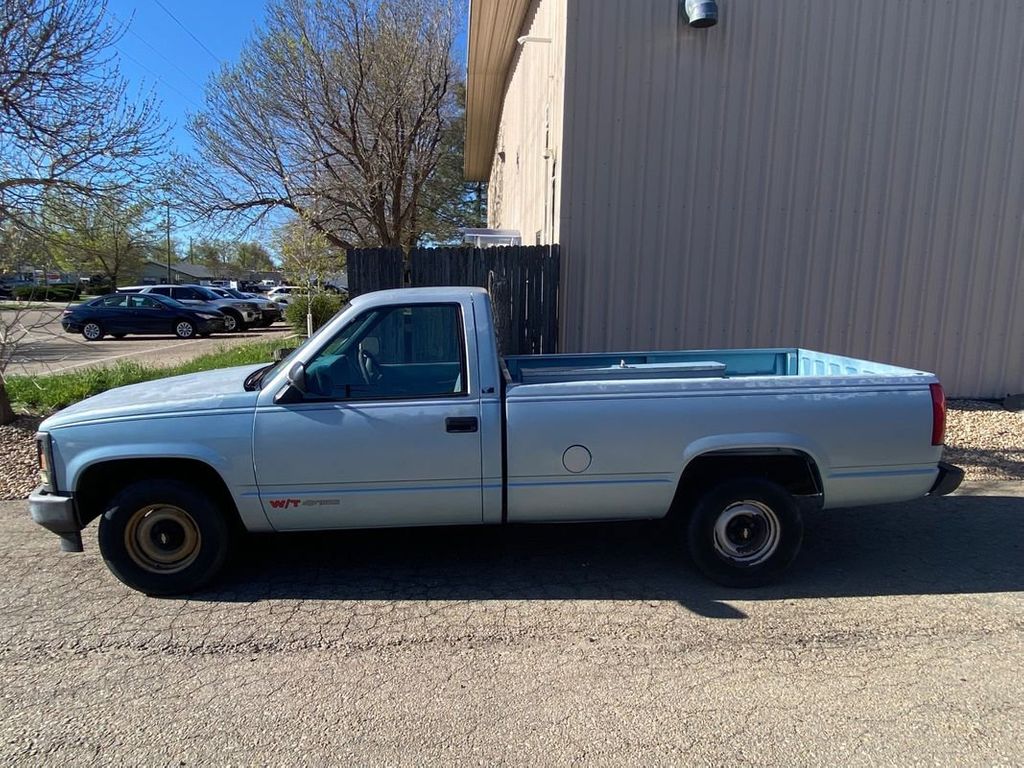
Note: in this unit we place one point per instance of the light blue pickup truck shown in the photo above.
(400, 412)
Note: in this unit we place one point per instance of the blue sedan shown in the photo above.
(119, 314)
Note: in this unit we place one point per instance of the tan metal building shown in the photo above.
(845, 175)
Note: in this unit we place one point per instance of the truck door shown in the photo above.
(387, 432)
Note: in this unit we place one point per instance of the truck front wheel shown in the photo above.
(745, 532)
(163, 537)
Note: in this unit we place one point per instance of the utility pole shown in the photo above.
(168, 222)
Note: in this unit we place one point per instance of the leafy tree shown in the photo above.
(338, 110)
(107, 236)
(210, 254)
(253, 257)
(306, 255)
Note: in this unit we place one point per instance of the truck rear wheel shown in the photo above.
(163, 537)
(745, 532)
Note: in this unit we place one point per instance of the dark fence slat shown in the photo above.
(523, 281)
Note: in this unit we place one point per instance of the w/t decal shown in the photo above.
(286, 503)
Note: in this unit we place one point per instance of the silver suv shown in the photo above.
(239, 314)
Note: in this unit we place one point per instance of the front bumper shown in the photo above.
(57, 514)
(215, 325)
(949, 479)
(251, 316)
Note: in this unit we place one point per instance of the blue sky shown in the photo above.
(159, 54)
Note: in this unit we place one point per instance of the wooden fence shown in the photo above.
(523, 281)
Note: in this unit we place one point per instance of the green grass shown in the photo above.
(46, 393)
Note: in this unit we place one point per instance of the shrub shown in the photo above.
(63, 292)
(325, 306)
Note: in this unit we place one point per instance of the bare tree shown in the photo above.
(336, 111)
(67, 122)
(68, 127)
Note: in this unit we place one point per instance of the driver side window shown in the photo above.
(393, 352)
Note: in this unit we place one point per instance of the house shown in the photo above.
(845, 175)
(153, 272)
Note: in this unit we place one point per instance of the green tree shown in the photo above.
(108, 236)
(306, 255)
(253, 257)
(211, 254)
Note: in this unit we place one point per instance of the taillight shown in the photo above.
(938, 413)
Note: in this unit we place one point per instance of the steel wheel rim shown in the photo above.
(185, 329)
(747, 533)
(91, 331)
(162, 539)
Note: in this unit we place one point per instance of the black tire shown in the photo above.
(92, 331)
(184, 329)
(745, 532)
(233, 322)
(138, 548)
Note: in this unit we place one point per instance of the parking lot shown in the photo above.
(49, 349)
(897, 639)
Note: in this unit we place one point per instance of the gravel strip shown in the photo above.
(986, 441)
(982, 438)
(18, 471)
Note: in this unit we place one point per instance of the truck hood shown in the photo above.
(210, 390)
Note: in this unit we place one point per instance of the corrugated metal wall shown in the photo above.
(846, 175)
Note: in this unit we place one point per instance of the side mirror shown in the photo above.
(281, 353)
(297, 377)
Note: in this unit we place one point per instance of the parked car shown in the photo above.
(120, 314)
(285, 294)
(400, 412)
(270, 311)
(238, 315)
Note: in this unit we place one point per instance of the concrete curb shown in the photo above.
(990, 488)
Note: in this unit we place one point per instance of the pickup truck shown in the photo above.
(400, 412)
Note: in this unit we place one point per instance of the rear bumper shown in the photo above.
(949, 479)
(58, 515)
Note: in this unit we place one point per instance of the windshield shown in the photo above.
(206, 293)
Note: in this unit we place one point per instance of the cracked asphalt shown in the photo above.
(897, 638)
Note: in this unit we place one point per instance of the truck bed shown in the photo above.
(696, 364)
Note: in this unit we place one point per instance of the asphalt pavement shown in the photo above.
(47, 348)
(898, 638)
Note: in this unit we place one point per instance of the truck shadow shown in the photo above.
(932, 546)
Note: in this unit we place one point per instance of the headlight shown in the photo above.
(44, 450)
(207, 316)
